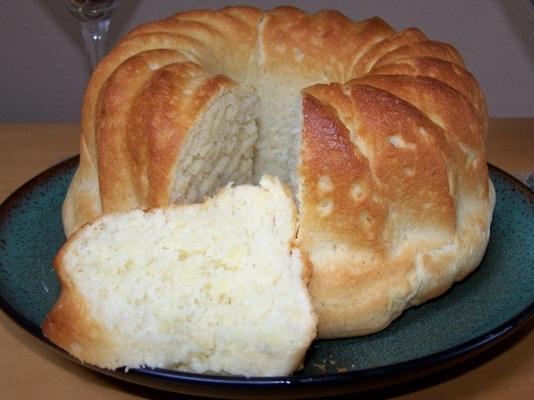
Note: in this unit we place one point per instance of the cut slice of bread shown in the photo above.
(217, 287)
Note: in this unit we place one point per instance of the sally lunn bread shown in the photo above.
(217, 287)
(380, 134)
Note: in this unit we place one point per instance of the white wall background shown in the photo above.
(43, 69)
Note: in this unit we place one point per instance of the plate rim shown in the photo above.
(414, 366)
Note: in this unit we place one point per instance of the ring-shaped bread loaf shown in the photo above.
(380, 133)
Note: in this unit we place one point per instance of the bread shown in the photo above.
(380, 134)
(215, 287)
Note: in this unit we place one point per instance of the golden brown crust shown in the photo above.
(427, 48)
(71, 325)
(449, 73)
(143, 125)
(385, 46)
(388, 163)
(121, 172)
(323, 46)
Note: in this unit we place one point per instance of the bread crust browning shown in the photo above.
(70, 323)
(377, 245)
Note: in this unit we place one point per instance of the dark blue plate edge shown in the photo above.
(348, 381)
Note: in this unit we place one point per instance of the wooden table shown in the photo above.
(28, 370)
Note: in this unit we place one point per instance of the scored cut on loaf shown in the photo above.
(215, 287)
(381, 135)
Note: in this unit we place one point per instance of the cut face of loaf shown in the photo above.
(215, 287)
(219, 147)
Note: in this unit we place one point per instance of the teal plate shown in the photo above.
(475, 314)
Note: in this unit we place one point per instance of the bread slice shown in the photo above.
(216, 287)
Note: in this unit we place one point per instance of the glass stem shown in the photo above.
(94, 35)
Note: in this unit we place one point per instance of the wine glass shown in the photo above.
(94, 17)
